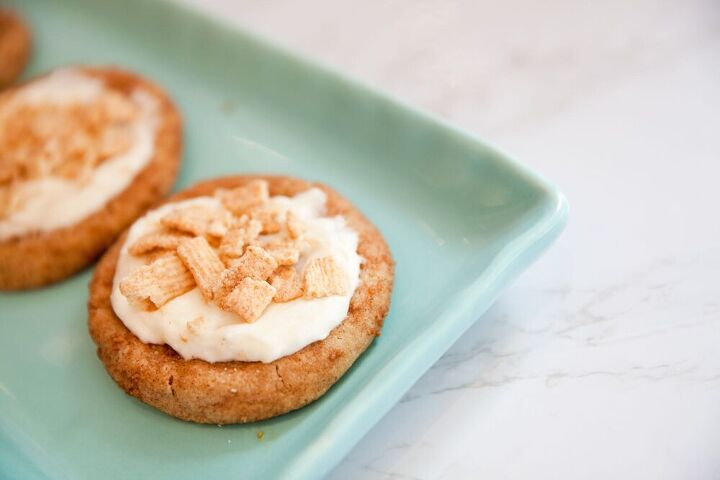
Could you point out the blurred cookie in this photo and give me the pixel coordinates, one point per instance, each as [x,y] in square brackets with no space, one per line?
[83,152]
[15,44]
[218,317]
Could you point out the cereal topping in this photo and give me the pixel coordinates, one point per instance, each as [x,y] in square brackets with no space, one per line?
[323,277]
[255,263]
[242,256]
[66,141]
[202,261]
[269,217]
[240,200]
[198,220]
[249,299]
[242,233]
[158,282]
[156,241]
[287,284]
[293,226]
[284,255]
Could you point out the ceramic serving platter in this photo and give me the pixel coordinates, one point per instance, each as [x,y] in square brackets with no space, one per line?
[461,219]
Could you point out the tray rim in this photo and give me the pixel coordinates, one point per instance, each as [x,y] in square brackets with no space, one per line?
[387,385]
[344,431]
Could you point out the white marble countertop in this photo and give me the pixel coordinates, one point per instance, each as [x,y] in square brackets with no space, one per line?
[602,360]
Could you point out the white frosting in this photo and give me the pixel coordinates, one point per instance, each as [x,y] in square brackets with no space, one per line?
[51,202]
[197,329]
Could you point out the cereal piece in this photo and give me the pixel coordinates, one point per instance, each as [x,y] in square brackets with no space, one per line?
[117,108]
[293,225]
[5,200]
[218,225]
[202,261]
[228,280]
[284,255]
[114,141]
[77,163]
[241,199]
[189,219]
[287,283]
[8,200]
[150,257]
[324,277]
[8,172]
[238,237]
[198,220]
[156,241]
[249,299]
[233,244]
[195,325]
[159,282]
[255,263]
[269,217]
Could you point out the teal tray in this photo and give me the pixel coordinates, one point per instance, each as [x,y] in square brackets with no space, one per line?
[461,219]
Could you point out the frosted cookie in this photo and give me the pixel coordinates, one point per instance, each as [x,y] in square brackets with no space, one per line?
[14,46]
[240,298]
[83,153]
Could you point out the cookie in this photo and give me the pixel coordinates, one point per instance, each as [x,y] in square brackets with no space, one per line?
[244,391]
[78,168]
[15,44]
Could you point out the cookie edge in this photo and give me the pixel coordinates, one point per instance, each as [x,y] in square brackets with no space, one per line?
[21,39]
